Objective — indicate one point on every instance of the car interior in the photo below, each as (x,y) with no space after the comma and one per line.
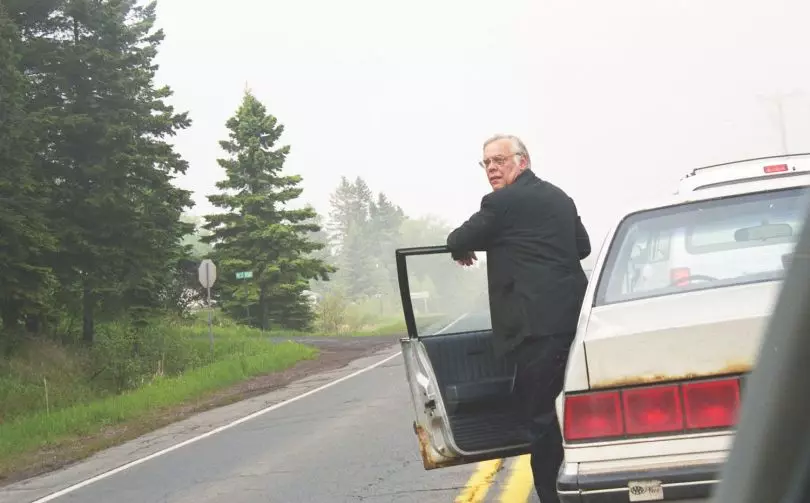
(476,388)
(687,247)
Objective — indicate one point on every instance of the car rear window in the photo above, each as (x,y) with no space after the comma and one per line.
(705,244)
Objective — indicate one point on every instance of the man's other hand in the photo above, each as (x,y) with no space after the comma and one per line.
(467,260)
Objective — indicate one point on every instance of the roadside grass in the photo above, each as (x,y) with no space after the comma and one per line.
(396,325)
(356,325)
(44,429)
(54,395)
(61,401)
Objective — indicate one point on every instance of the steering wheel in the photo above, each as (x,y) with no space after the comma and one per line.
(693,277)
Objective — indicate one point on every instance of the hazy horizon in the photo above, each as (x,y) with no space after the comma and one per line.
(614,101)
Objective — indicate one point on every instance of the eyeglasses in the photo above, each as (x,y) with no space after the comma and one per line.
(499,160)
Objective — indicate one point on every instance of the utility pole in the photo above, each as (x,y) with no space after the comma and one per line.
(778,99)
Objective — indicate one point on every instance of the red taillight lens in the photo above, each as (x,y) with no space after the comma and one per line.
(679,276)
(711,404)
(644,410)
(776,168)
(595,415)
(652,410)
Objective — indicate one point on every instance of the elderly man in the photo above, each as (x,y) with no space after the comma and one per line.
(534,240)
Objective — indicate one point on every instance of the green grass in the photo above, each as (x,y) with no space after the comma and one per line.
(57,398)
(396,325)
(43,429)
(52,394)
(357,326)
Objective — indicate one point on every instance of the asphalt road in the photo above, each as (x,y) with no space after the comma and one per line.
(350,442)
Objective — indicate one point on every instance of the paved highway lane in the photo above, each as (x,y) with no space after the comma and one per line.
(350,442)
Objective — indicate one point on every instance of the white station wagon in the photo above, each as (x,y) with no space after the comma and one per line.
(670,325)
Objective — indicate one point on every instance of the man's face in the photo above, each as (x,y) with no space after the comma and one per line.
(502,166)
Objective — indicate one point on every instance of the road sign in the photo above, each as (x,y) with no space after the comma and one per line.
(207,273)
(244,275)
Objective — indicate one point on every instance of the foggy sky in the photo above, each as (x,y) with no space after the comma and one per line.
(616,100)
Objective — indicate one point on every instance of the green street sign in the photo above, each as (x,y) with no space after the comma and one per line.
(244,275)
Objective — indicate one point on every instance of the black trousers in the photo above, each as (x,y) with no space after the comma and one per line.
(540,370)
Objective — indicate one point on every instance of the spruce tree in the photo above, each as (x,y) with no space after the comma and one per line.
(104,155)
(25,280)
(259,231)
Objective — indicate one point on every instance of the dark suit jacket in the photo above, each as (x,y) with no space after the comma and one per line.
(534,240)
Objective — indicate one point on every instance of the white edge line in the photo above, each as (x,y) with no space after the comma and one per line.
(136,462)
(184,443)
(447,327)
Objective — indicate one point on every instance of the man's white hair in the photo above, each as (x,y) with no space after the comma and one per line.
(518,147)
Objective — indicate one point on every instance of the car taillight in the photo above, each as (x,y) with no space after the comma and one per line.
(679,276)
(593,415)
(775,168)
(645,410)
(652,410)
(711,404)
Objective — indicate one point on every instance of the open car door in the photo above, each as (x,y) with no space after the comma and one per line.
(461,393)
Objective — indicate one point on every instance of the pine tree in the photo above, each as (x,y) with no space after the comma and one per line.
(25,281)
(351,203)
(105,156)
(320,236)
(385,221)
(356,262)
(258,232)
(340,211)
(352,236)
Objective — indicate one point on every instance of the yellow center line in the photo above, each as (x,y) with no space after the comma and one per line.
(520,482)
(478,485)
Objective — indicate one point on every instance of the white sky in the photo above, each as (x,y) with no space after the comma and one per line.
(616,100)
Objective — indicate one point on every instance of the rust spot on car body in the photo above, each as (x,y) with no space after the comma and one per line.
(730,369)
(425,451)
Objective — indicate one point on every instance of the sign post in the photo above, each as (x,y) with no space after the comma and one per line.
(207,275)
(245,275)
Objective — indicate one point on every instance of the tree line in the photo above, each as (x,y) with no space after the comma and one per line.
(90,219)
(92,227)
(362,232)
